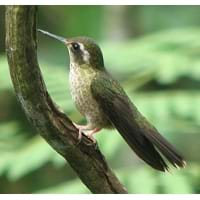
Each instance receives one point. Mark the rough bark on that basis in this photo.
(53, 125)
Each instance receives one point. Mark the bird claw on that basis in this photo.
(80, 134)
(91, 138)
(89, 134)
(94, 142)
(79, 137)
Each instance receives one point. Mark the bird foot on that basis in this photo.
(80, 129)
(87, 131)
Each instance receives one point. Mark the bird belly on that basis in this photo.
(80, 81)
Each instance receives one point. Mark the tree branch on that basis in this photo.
(53, 125)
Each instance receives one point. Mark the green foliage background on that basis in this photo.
(156, 57)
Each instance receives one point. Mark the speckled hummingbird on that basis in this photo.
(105, 104)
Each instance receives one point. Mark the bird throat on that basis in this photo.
(80, 79)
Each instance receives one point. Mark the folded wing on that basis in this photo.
(141, 136)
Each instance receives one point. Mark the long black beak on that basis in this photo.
(62, 39)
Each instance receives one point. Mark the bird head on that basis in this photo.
(82, 50)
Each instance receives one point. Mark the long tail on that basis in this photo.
(148, 144)
(166, 149)
(145, 140)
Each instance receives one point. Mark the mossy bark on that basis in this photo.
(53, 125)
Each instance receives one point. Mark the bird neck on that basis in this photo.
(86, 68)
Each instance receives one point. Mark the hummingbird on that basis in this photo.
(105, 104)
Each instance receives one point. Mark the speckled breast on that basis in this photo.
(80, 81)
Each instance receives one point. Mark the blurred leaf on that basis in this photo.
(176, 184)
(109, 141)
(178, 108)
(5, 81)
(169, 54)
(29, 157)
(140, 181)
(70, 187)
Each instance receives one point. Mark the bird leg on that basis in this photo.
(80, 129)
(89, 133)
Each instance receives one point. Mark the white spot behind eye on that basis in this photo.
(86, 55)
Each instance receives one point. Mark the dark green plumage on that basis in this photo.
(141, 136)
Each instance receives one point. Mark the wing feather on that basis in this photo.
(141, 136)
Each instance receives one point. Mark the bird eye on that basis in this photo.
(75, 46)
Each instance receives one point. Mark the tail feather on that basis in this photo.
(166, 149)
(146, 151)
(149, 148)
(146, 141)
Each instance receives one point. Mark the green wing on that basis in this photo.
(134, 128)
